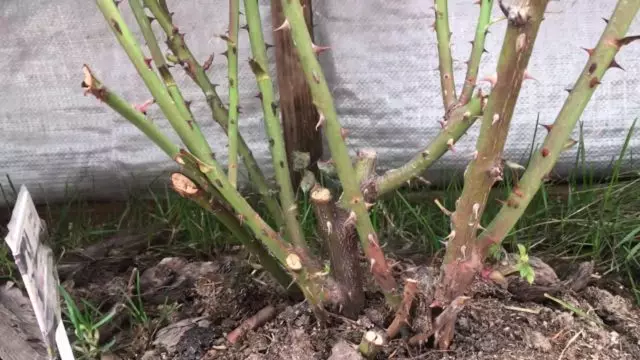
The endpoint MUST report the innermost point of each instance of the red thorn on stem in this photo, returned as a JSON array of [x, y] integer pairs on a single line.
[[144, 106], [207, 63], [545, 152], [594, 81], [319, 49], [527, 76], [625, 41], [589, 51], [493, 79], [547, 127], [259, 96], [148, 62], [614, 64]]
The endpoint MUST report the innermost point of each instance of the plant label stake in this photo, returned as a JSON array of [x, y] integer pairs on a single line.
[[35, 262]]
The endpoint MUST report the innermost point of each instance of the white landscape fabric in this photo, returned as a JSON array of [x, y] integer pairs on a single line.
[[382, 69]]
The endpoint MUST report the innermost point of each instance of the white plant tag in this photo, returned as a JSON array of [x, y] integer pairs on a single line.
[[35, 262]]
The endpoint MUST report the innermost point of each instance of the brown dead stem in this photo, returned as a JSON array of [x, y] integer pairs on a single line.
[[403, 313], [252, 323], [443, 326]]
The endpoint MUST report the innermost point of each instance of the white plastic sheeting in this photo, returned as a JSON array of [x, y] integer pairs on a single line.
[[382, 69]]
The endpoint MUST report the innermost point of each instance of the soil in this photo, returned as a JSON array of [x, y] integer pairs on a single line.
[[216, 296]]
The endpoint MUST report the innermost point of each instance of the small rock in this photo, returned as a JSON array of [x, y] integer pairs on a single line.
[[375, 316], [255, 357], [536, 340], [150, 355], [342, 350], [169, 337]]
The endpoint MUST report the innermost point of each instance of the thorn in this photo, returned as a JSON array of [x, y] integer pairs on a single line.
[[207, 63], [259, 96], [527, 76], [450, 145], [547, 127], [484, 51], [442, 208], [589, 51], [475, 155], [285, 26], [344, 133], [372, 240], [351, 219], [626, 41], [225, 54], [143, 108], [606, 21], [316, 78], [451, 235], [496, 118], [476, 210], [493, 79], [320, 121], [319, 49], [569, 90], [268, 46], [423, 180], [148, 62], [594, 81], [442, 123], [151, 19], [514, 165], [614, 64], [245, 27]]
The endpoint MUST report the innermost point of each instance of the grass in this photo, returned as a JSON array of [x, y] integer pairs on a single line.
[[576, 218]]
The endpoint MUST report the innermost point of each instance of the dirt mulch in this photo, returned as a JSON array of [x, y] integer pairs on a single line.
[[215, 297]]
